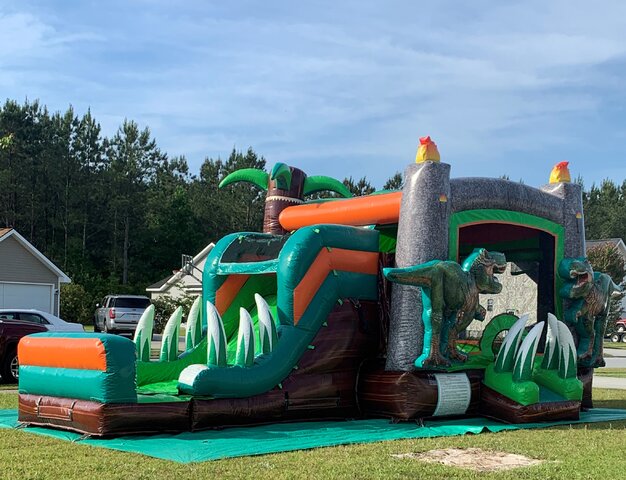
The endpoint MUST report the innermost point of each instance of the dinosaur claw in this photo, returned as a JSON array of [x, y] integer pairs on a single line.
[[454, 354], [436, 360]]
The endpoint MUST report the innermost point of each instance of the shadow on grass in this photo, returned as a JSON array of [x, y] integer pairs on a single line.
[[613, 403]]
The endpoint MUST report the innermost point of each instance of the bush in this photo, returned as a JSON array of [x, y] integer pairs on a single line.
[[606, 258], [75, 304], [165, 305]]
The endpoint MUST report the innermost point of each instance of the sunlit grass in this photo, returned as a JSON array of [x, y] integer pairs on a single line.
[[576, 452]]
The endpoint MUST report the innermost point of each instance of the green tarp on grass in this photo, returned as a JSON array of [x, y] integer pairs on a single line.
[[238, 442]]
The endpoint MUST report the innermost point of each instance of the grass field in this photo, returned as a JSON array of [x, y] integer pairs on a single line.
[[578, 452], [618, 345], [611, 372]]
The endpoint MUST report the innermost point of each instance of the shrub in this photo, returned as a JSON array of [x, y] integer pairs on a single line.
[[75, 305], [606, 258], [165, 305]]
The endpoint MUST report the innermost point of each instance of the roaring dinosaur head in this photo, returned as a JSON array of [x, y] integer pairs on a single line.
[[578, 275], [484, 266]]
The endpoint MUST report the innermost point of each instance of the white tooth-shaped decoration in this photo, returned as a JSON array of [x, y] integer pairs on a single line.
[[506, 356], [169, 342], [143, 334], [216, 337], [551, 352], [267, 329], [245, 340], [567, 357], [525, 359], [193, 336]]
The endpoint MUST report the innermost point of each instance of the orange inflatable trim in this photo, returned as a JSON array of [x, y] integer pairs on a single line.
[[62, 352], [228, 291], [326, 261], [359, 211]]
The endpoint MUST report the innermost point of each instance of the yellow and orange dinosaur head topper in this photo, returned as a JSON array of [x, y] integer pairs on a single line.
[[560, 173], [427, 151]]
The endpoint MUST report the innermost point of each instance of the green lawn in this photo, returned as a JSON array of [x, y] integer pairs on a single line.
[[578, 452], [611, 372], [618, 345]]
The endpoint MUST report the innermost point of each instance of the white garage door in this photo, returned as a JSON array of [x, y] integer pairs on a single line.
[[24, 295]]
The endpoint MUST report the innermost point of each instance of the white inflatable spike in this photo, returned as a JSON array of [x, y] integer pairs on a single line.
[[216, 337], [551, 353], [169, 342], [245, 340], [567, 357], [193, 335], [525, 359], [506, 356], [267, 328], [143, 334]]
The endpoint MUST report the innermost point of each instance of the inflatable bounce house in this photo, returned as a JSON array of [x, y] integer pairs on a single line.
[[351, 308]]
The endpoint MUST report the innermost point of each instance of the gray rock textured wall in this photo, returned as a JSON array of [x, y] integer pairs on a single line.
[[571, 195], [496, 193], [422, 236]]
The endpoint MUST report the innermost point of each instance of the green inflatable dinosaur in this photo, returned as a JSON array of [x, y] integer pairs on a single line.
[[450, 300], [588, 311]]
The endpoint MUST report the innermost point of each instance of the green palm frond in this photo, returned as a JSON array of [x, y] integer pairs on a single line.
[[318, 183], [282, 174], [250, 175]]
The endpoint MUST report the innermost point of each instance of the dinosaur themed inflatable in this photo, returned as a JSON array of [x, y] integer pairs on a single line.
[[354, 307]]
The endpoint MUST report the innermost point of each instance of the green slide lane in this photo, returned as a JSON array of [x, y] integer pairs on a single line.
[[162, 377], [281, 271]]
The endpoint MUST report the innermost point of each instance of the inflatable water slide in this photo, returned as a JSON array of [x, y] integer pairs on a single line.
[[288, 320], [353, 308]]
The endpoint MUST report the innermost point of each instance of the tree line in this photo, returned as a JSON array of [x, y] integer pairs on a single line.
[[116, 213]]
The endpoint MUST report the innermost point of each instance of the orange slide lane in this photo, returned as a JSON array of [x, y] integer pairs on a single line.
[[228, 291], [326, 261], [369, 210], [63, 352]]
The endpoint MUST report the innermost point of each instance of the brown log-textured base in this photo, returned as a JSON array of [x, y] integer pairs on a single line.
[[405, 395], [322, 387], [497, 406], [95, 418]]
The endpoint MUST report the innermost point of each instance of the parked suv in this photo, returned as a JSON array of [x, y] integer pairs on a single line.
[[10, 333], [119, 313]]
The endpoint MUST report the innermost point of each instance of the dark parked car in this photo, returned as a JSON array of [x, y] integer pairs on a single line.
[[11, 331]]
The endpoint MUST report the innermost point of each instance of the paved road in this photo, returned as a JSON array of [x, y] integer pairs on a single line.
[[609, 382], [615, 358], [156, 343]]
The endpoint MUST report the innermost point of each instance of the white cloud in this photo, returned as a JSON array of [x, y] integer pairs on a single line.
[[337, 86]]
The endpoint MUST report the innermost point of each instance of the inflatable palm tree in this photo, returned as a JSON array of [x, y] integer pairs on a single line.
[[285, 186]]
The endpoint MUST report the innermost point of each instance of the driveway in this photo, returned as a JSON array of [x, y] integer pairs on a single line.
[[609, 382], [156, 343], [615, 358]]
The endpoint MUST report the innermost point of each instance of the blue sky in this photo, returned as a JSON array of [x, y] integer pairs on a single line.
[[339, 88]]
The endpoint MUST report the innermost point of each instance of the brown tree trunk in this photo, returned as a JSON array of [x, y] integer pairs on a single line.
[[126, 246], [277, 200]]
